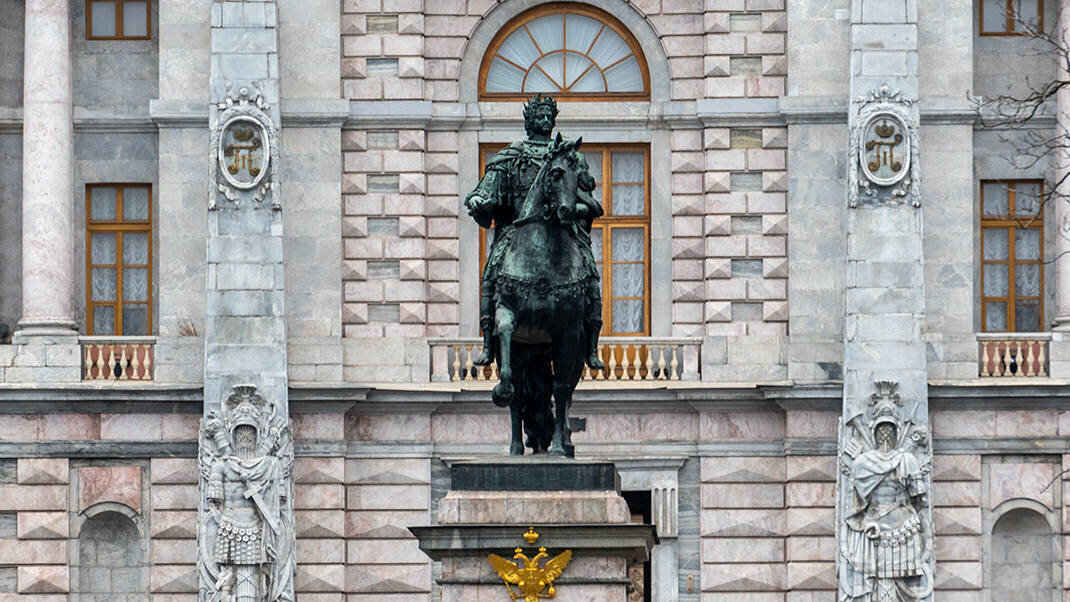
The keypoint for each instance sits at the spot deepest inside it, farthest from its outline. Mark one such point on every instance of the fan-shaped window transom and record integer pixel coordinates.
(564, 51)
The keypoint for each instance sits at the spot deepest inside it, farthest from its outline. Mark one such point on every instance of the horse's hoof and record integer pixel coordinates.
(502, 396)
(557, 451)
(516, 450)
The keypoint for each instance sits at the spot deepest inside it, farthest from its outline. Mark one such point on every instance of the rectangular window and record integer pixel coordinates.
(118, 19)
(119, 259)
(1012, 256)
(620, 239)
(1011, 17)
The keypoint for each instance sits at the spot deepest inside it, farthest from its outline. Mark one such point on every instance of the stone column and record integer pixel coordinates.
(1062, 178)
(47, 172)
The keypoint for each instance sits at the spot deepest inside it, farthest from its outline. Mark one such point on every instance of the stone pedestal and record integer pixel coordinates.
(573, 506)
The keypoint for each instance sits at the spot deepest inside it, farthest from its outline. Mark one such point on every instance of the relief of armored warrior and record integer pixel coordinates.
(247, 495)
(495, 201)
(886, 546)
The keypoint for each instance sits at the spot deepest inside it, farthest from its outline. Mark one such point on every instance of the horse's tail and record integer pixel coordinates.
(533, 379)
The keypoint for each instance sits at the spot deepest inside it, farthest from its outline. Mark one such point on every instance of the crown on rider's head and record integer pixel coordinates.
(539, 100)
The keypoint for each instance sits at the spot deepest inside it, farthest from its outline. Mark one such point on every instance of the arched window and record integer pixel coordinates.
(568, 51)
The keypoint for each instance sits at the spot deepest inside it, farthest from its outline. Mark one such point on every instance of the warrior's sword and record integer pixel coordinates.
(254, 495)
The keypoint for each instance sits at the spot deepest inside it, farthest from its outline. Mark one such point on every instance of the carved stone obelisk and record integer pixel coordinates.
(246, 531)
(884, 515)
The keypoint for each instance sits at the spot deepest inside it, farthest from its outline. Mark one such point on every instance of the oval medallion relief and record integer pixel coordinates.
(885, 149)
(243, 152)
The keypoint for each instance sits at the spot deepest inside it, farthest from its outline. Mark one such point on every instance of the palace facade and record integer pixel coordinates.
(803, 201)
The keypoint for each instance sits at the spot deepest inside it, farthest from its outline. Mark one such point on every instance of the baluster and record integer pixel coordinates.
(674, 363)
(468, 372)
(1042, 359)
(456, 367)
(1029, 368)
(111, 362)
(124, 363)
(611, 365)
(626, 362)
(494, 371)
(601, 374)
(662, 351)
(649, 364)
(1018, 358)
(87, 363)
(147, 362)
(100, 363)
(985, 369)
(1002, 363)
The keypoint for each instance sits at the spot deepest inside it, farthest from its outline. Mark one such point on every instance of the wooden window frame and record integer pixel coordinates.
(521, 20)
(1010, 22)
(1011, 222)
(606, 224)
(118, 227)
(118, 21)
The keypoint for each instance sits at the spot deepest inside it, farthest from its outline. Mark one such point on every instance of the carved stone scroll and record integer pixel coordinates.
(885, 531)
(883, 159)
(245, 521)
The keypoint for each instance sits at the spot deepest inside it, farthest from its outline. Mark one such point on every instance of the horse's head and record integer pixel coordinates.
(562, 175)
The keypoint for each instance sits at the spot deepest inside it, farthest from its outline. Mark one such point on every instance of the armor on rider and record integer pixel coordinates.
(495, 200)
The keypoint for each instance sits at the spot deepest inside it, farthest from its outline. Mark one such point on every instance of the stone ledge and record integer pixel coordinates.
(633, 542)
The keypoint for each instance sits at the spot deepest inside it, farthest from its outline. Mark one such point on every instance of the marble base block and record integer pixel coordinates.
(573, 506)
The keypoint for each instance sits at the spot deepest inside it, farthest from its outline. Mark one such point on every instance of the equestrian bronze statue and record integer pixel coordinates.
(541, 303)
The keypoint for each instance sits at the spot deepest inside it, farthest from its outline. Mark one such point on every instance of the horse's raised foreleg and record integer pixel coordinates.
(505, 323)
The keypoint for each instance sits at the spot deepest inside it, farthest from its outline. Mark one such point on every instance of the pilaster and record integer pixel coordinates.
(245, 363)
(1061, 166)
(884, 523)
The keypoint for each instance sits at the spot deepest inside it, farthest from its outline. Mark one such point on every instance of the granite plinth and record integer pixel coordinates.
(534, 474)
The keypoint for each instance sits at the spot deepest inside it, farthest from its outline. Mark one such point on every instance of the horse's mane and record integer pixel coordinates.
(559, 146)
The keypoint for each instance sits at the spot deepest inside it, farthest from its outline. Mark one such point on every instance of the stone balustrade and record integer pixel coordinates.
(626, 359)
(118, 358)
(1013, 354)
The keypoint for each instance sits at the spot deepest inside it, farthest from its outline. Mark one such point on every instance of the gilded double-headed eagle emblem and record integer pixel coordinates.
(526, 575)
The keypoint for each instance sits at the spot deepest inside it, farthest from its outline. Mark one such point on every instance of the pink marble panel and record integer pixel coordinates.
(70, 427)
(742, 549)
(957, 493)
(566, 592)
(956, 468)
(980, 423)
(607, 427)
(470, 428)
(363, 524)
(43, 525)
(321, 551)
(1027, 423)
(809, 521)
(744, 577)
(179, 427)
(319, 426)
(811, 548)
(120, 484)
(388, 471)
(388, 497)
(20, 427)
(741, 425)
(1024, 480)
(811, 424)
(385, 551)
(742, 495)
(321, 578)
(175, 497)
(319, 470)
(44, 551)
(382, 578)
(810, 494)
(668, 427)
(171, 471)
(173, 524)
(958, 547)
(320, 523)
(42, 471)
(389, 427)
(33, 497)
(742, 469)
(319, 497)
(173, 551)
(811, 575)
(131, 427)
(742, 523)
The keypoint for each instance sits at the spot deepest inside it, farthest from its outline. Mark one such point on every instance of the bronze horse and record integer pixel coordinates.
(539, 295)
